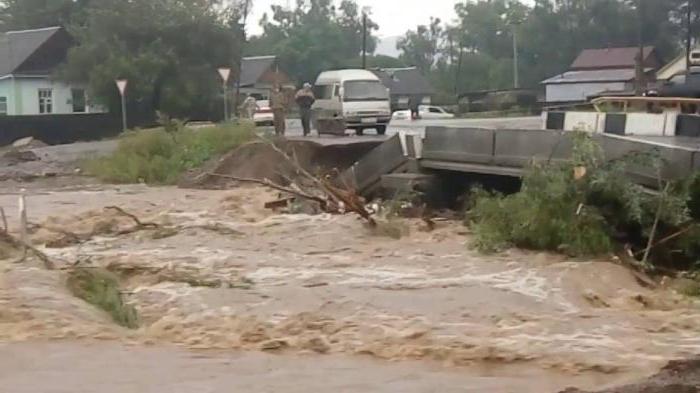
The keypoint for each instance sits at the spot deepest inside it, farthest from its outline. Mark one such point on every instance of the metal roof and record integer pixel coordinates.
(253, 68)
(611, 58)
(16, 47)
(624, 75)
(405, 81)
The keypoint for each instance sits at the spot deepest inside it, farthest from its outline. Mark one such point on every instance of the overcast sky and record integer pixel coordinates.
(394, 17)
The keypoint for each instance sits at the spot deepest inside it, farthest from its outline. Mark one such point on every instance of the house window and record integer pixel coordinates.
(3, 105)
(79, 100)
(45, 101)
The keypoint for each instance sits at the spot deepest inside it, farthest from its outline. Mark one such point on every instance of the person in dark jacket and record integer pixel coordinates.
(414, 105)
(305, 99)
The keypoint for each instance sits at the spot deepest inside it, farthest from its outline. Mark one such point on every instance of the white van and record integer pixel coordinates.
(358, 96)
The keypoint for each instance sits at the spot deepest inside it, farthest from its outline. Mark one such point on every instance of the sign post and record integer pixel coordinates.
(225, 73)
(121, 85)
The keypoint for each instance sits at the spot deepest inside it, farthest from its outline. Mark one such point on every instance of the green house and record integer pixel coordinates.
(28, 63)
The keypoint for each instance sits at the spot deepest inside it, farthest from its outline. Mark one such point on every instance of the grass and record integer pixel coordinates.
(101, 289)
(162, 155)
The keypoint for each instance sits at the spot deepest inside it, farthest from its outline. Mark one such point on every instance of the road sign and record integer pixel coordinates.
(121, 85)
(225, 73)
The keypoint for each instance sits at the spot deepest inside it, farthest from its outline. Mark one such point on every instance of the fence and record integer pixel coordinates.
(60, 129)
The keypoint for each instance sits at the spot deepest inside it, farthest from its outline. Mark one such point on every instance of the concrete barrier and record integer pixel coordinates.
(581, 121)
(383, 159)
(671, 123)
(459, 144)
(677, 161)
(648, 124)
(517, 148)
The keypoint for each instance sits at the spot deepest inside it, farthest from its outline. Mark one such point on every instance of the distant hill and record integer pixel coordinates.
(387, 46)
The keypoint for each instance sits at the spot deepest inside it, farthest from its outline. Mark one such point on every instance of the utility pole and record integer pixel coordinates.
(688, 37)
(639, 64)
(364, 40)
(244, 39)
(516, 76)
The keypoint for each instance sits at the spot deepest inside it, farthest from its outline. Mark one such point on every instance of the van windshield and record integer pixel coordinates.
(365, 91)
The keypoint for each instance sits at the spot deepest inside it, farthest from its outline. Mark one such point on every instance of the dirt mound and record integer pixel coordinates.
(258, 160)
(682, 376)
(14, 157)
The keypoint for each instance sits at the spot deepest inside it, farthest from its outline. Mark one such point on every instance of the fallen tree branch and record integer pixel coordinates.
(139, 224)
(347, 198)
(684, 229)
(14, 242)
(268, 183)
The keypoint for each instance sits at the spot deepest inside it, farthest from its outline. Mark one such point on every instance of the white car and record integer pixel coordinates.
(425, 112)
(263, 115)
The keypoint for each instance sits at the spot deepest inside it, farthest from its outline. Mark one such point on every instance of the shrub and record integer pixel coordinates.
(575, 207)
(161, 155)
(101, 289)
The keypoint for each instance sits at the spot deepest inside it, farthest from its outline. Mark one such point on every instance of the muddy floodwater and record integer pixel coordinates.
(233, 297)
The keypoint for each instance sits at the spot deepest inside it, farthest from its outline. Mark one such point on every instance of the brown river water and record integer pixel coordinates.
(317, 304)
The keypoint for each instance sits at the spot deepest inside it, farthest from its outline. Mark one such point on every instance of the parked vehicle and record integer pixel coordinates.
(263, 115)
(425, 112)
(356, 96)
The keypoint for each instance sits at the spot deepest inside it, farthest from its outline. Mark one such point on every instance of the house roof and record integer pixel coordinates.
(610, 58)
(404, 81)
(620, 75)
(253, 68)
(16, 47)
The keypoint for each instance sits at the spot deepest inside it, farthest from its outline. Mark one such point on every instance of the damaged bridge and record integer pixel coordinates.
(408, 158)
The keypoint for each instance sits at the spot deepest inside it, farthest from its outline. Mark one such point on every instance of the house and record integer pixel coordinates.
(260, 73)
(404, 83)
(597, 71)
(28, 61)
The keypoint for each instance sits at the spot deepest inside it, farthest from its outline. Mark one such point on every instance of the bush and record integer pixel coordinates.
(101, 289)
(576, 207)
(160, 156)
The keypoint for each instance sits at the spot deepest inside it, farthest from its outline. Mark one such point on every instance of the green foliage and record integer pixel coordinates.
(160, 157)
(475, 52)
(314, 37)
(101, 289)
(574, 206)
(168, 50)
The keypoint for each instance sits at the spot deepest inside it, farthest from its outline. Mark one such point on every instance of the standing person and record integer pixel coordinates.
(305, 99)
(250, 105)
(278, 104)
(414, 106)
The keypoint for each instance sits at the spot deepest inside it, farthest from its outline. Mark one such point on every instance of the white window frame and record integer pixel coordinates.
(45, 101)
(3, 106)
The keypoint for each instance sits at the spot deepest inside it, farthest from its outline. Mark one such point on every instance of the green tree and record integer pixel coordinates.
(33, 14)
(313, 37)
(421, 47)
(168, 50)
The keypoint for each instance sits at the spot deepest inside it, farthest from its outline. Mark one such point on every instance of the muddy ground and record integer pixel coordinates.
(318, 300)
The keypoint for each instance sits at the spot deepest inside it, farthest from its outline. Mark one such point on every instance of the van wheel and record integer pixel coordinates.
(359, 131)
(381, 130)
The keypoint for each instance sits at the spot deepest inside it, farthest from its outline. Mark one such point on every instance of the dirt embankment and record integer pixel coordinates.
(258, 160)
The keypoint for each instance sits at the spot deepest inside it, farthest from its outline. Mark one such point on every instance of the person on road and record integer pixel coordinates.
(250, 106)
(278, 104)
(414, 106)
(305, 99)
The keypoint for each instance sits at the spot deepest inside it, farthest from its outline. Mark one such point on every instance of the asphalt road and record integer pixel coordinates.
(75, 151)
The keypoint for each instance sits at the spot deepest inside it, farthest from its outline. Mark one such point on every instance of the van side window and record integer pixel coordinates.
(336, 90)
(323, 92)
